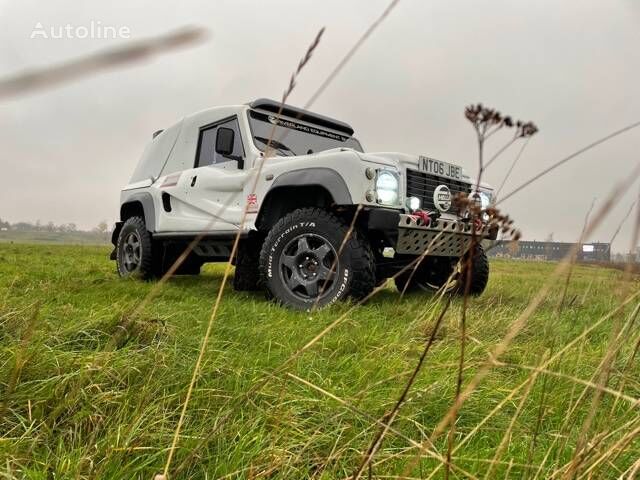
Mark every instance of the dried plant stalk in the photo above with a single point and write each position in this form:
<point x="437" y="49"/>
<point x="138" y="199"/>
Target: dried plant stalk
<point x="133" y="52"/>
<point x="227" y="272"/>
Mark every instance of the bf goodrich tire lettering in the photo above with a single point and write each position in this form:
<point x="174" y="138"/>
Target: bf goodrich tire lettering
<point x="297" y="256"/>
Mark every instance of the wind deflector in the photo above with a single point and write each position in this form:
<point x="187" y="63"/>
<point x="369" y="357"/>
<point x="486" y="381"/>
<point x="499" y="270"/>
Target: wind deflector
<point x="300" y="114"/>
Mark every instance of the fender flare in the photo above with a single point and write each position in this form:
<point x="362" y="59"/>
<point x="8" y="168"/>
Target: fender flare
<point x="328" y="178"/>
<point x="148" y="206"/>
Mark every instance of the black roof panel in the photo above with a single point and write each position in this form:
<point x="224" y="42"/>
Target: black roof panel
<point x="300" y="114"/>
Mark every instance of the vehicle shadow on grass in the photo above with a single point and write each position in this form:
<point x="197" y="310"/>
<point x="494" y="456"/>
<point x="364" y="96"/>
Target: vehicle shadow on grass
<point x="209" y="281"/>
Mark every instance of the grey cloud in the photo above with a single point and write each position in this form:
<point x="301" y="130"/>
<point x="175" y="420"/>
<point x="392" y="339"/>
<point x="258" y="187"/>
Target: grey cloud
<point x="568" y="66"/>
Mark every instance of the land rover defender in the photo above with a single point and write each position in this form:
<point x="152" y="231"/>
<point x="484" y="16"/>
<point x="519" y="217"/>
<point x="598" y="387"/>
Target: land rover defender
<point x="208" y="178"/>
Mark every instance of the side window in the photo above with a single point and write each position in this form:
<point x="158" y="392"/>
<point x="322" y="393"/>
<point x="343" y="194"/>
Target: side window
<point x="207" y="154"/>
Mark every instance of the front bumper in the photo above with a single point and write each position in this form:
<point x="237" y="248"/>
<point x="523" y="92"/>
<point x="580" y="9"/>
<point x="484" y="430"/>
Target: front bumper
<point x="442" y="237"/>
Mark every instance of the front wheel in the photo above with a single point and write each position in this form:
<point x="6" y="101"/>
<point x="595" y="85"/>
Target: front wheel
<point x="432" y="274"/>
<point x="302" y="263"/>
<point x="134" y="256"/>
<point x="436" y="273"/>
<point x="479" y="272"/>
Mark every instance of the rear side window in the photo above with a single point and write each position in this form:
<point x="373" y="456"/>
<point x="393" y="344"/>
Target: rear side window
<point x="207" y="155"/>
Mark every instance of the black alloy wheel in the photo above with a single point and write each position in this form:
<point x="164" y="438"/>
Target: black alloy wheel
<point x="307" y="266"/>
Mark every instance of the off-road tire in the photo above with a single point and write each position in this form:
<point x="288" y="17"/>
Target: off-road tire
<point x="354" y="276"/>
<point x="427" y="278"/>
<point x="479" y="272"/>
<point x="432" y="273"/>
<point x="135" y="232"/>
<point x="247" y="275"/>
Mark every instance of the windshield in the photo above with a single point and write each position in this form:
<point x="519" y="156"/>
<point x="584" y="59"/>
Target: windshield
<point x="293" y="137"/>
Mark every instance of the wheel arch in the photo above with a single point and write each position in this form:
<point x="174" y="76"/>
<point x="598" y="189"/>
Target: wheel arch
<point x="139" y="204"/>
<point x="309" y="187"/>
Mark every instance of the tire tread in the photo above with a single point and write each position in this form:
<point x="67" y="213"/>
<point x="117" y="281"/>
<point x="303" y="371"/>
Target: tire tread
<point x="363" y="265"/>
<point x="146" y="270"/>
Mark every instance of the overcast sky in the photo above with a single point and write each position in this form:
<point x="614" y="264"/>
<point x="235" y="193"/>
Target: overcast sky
<point x="572" y="67"/>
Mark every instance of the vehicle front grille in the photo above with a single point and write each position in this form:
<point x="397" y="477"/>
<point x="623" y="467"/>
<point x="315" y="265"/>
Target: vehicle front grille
<point x="422" y="185"/>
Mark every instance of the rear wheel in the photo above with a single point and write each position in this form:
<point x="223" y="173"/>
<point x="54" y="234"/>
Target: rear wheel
<point x="134" y="255"/>
<point x="300" y="265"/>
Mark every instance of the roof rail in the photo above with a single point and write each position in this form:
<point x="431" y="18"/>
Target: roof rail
<point x="300" y="114"/>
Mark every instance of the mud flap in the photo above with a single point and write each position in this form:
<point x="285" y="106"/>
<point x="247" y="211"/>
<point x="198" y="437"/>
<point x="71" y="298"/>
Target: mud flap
<point x="114" y="239"/>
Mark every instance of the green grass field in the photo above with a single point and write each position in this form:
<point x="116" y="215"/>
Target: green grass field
<point x="91" y="391"/>
<point x="35" y="237"/>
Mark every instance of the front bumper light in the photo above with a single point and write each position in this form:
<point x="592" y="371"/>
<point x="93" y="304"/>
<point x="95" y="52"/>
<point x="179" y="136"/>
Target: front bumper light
<point x="482" y="199"/>
<point x="413" y="204"/>
<point x="387" y="187"/>
<point x="485" y="200"/>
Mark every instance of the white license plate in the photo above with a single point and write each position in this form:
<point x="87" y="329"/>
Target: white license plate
<point x="436" y="167"/>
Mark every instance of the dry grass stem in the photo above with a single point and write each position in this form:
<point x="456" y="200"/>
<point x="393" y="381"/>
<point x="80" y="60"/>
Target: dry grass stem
<point x="484" y="370"/>
<point x="228" y="268"/>
<point x="622" y="222"/>
<point x="568" y="158"/>
<point x="349" y="55"/>
<point x="519" y="323"/>
<point x="133" y="52"/>
<point x="513" y="165"/>
<point x="377" y="442"/>
<point x="335" y="260"/>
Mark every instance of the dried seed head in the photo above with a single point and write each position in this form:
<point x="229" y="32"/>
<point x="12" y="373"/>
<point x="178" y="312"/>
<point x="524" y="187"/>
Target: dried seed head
<point x="469" y="207"/>
<point x="526" y="130"/>
<point x="485" y="117"/>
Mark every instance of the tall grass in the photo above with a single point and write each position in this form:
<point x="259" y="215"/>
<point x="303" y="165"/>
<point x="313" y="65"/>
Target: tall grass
<point x="321" y="415"/>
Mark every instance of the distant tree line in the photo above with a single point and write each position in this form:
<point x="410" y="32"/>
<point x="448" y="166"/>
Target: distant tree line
<point x="38" y="226"/>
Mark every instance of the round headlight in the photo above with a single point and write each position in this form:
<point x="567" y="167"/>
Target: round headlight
<point x="413" y="203"/>
<point x="387" y="188"/>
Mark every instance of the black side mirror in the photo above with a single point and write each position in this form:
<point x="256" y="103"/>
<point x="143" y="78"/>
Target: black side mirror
<point x="224" y="141"/>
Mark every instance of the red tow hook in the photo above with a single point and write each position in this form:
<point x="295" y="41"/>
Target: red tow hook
<point x="424" y="216"/>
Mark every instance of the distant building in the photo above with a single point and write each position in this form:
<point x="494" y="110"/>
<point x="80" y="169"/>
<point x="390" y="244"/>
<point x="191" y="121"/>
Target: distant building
<point x="595" y="252"/>
<point x="533" y="250"/>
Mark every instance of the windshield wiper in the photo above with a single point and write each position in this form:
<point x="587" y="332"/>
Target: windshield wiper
<point x="280" y="147"/>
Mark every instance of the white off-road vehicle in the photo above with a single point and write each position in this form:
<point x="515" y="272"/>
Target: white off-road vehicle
<point x="196" y="179"/>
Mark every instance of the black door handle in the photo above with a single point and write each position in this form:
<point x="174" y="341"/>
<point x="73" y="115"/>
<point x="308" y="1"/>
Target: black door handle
<point x="193" y="180"/>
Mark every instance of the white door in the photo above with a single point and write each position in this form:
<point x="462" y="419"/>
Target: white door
<point x="213" y="189"/>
